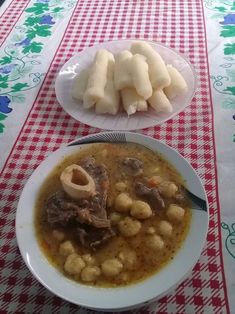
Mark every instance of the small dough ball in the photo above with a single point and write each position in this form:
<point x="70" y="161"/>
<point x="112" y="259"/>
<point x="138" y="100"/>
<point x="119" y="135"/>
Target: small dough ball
<point x="150" y="230"/>
<point x="175" y="213"/>
<point x="123" y="203"/>
<point x="128" y="258"/>
<point x="111" y="267"/>
<point x="155" y="242"/>
<point x="58" y="235"/>
<point x="74" y="264"/>
<point x="129" y="227"/>
<point x="66" y="248"/>
<point x="88" y="259"/>
<point x="165" y="228"/>
<point x="168" y="188"/>
<point x="141" y="210"/>
<point x="90" y="273"/>
<point x="115" y="218"/>
<point x="120" y="186"/>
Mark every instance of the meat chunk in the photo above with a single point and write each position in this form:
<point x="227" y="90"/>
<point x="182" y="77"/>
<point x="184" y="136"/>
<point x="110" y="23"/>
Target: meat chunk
<point x="93" y="238"/>
<point x="132" y="166"/>
<point x="150" y="195"/>
<point x="58" y="210"/>
<point x="62" y="210"/>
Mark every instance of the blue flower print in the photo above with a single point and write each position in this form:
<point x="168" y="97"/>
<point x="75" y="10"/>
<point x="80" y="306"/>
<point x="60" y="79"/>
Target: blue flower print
<point x="43" y="1"/>
<point x="25" y="42"/>
<point x="7" y="68"/>
<point x="229" y="19"/>
<point x="46" y="19"/>
<point x="4" y="102"/>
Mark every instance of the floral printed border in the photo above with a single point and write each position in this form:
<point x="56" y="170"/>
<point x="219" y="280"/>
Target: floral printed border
<point x="21" y="54"/>
<point x="224" y="12"/>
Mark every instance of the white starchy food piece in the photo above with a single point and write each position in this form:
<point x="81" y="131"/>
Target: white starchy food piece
<point x="77" y="183"/>
<point x="142" y="105"/>
<point x="111" y="267"/>
<point x="140" y="76"/>
<point x="74" y="264"/>
<point x="66" y="248"/>
<point x="178" y="86"/>
<point x="165" y="228"/>
<point x="129" y="227"/>
<point x="159" y="102"/>
<point x="123" y="203"/>
<point x="109" y="103"/>
<point x="97" y="78"/>
<point x="168" y="188"/>
<point x="155" y="242"/>
<point x="122" y="74"/>
<point x="141" y="210"/>
<point x="158" y="73"/>
<point x="132" y="102"/>
<point x="175" y="213"/>
<point x="90" y="273"/>
<point x="80" y="84"/>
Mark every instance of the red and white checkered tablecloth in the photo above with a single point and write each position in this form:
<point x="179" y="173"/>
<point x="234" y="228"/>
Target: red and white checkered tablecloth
<point x="180" y="25"/>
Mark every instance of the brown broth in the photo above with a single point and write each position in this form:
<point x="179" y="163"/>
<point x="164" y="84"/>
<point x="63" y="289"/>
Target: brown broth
<point x="148" y="262"/>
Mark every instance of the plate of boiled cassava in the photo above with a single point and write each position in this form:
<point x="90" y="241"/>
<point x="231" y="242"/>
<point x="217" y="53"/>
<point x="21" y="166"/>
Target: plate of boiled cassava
<point x="125" y="85"/>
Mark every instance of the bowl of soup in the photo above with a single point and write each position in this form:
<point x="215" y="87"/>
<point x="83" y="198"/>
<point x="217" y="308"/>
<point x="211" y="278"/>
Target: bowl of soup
<point x="108" y="221"/>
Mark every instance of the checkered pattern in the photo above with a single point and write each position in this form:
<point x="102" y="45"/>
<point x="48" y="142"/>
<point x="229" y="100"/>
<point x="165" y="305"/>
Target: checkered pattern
<point x="179" y="24"/>
<point x="10" y="16"/>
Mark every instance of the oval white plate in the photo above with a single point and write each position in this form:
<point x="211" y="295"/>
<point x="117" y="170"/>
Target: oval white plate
<point x="64" y="82"/>
<point x="111" y="298"/>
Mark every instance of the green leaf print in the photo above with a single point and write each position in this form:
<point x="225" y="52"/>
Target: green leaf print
<point x="18" y="86"/>
<point x="228" y="31"/>
<point x="5" y="60"/>
<point x="221" y="9"/>
<point x="230" y="89"/>
<point x="43" y="30"/>
<point x="33" y="47"/>
<point x="31" y="21"/>
<point x="38" y="8"/>
<point x="1" y="127"/>
<point x="39" y="30"/>
<point x="229" y="49"/>
<point x="2" y="116"/>
<point x="4" y="81"/>
<point x="55" y="10"/>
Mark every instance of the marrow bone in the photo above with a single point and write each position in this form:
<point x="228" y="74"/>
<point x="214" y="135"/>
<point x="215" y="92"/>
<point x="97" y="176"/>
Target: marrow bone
<point x="77" y="183"/>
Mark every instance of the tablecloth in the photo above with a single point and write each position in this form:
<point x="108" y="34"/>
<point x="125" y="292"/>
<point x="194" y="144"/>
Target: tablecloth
<point x="36" y="38"/>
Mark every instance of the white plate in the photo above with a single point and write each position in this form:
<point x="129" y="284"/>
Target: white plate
<point x="111" y="298"/>
<point x="64" y="82"/>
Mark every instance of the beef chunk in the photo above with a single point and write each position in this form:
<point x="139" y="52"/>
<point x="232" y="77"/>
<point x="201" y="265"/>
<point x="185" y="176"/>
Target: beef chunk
<point x="132" y="166"/>
<point x="93" y="238"/>
<point x="150" y="195"/>
<point x="62" y="210"/>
